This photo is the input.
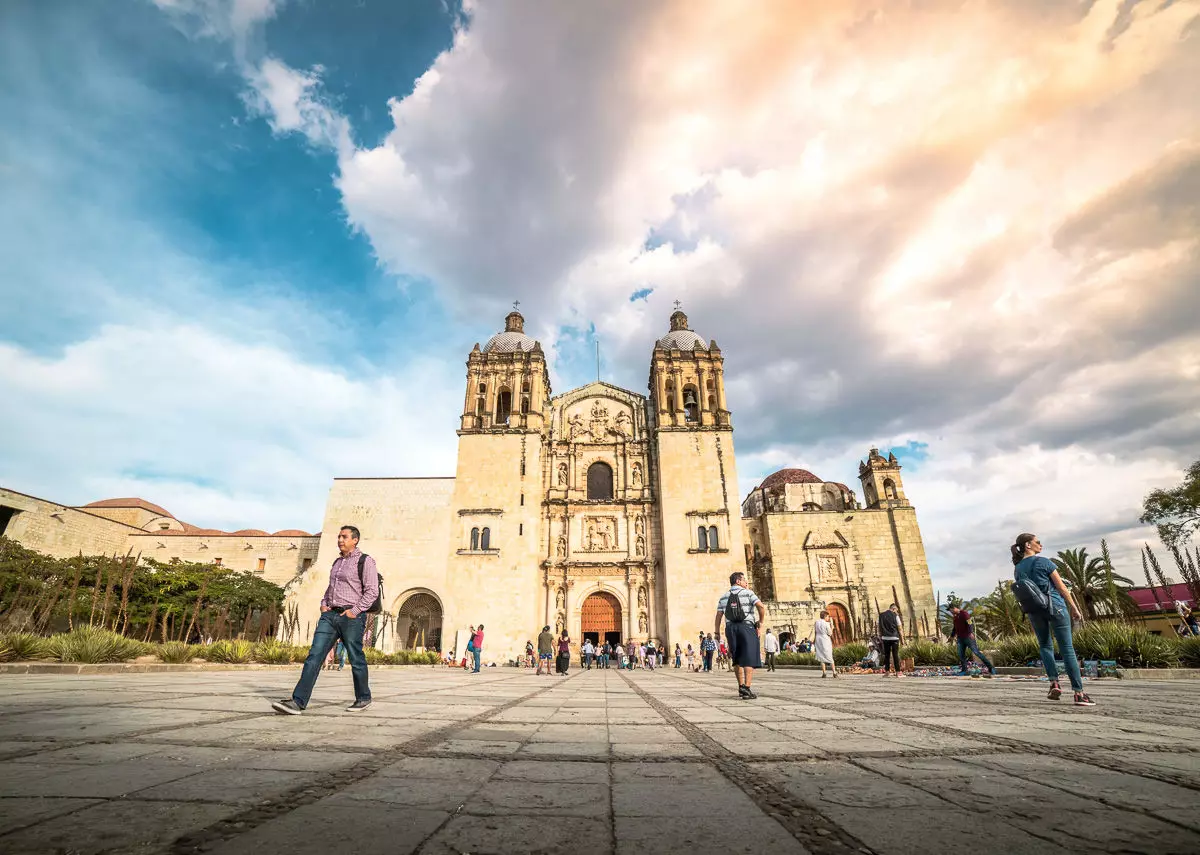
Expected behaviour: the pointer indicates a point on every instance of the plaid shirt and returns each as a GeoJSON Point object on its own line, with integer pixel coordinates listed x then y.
{"type": "Point", "coordinates": [344, 589]}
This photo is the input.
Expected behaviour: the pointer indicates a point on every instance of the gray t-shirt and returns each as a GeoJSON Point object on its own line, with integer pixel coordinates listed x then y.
{"type": "Point", "coordinates": [749, 600]}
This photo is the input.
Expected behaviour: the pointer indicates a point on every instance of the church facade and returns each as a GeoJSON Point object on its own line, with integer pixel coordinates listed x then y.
{"type": "Point", "coordinates": [604, 512]}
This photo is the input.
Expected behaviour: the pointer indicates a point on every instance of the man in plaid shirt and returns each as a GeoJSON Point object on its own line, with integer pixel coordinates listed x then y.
{"type": "Point", "coordinates": [343, 616]}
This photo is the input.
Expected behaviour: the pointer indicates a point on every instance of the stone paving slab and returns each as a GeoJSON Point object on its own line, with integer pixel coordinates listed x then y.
{"type": "Point", "coordinates": [600, 761]}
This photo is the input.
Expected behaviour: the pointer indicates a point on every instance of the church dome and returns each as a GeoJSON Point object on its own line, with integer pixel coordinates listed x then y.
{"type": "Point", "coordinates": [680, 337]}
{"type": "Point", "coordinates": [513, 338]}
{"type": "Point", "coordinates": [790, 476]}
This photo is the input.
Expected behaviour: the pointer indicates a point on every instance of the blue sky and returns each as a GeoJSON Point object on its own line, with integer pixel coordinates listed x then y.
{"type": "Point", "coordinates": [248, 243]}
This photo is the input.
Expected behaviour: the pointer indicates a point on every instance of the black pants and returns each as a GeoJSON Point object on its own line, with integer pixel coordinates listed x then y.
{"type": "Point", "coordinates": [770, 661]}
{"type": "Point", "coordinates": [891, 649]}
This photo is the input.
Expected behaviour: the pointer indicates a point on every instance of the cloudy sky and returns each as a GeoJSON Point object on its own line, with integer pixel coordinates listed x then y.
{"type": "Point", "coordinates": [247, 244]}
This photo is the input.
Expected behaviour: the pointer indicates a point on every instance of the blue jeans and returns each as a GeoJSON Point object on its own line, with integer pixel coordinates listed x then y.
{"type": "Point", "coordinates": [1058, 624]}
{"type": "Point", "coordinates": [475, 653]}
{"type": "Point", "coordinates": [331, 628]}
{"type": "Point", "coordinates": [965, 644]}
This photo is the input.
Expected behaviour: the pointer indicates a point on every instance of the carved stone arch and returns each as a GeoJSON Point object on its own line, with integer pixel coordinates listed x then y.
{"type": "Point", "coordinates": [419, 615]}
{"type": "Point", "coordinates": [585, 590]}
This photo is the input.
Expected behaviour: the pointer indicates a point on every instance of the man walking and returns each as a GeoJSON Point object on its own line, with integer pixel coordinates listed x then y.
{"type": "Point", "coordinates": [708, 647]}
{"type": "Point", "coordinates": [743, 614]}
{"type": "Point", "coordinates": [588, 651]}
{"type": "Point", "coordinates": [770, 647]}
{"type": "Point", "coordinates": [545, 650]}
{"type": "Point", "coordinates": [353, 589]}
{"type": "Point", "coordinates": [477, 646]}
{"type": "Point", "coordinates": [964, 631]}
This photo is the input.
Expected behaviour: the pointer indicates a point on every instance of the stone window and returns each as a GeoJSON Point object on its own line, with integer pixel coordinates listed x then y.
{"type": "Point", "coordinates": [217, 561]}
{"type": "Point", "coordinates": [691, 404]}
{"type": "Point", "coordinates": [6, 515]}
{"type": "Point", "coordinates": [889, 488]}
{"type": "Point", "coordinates": [713, 542]}
{"type": "Point", "coordinates": [262, 564]}
{"type": "Point", "coordinates": [525, 406]}
{"type": "Point", "coordinates": [306, 563]}
{"type": "Point", "coordinates": [702, 539]}
{"type": "Point", "coordinates": [599, 482]}
{"type": "Point", "coordinates": [485, 539]}
{"type": "Point", "coordinates": [503, 406]}
{"type": "Point", "coordinates": [474, 539]}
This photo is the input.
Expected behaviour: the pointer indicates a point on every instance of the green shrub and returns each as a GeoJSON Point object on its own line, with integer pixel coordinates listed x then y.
{"type": "Point", "coordinates": [926, 652]}
{"type": "Point", "coordinates": [299, 652]}
{"type": "Point", "coordinates": [1189, 652]}
{"type": "Point", "coordinates": [428, 657]}
{"type": "Point", "coordinates": [175, 652]}
{"type": "Point", "coordinates": [272, 653]}
{"type": "Point", "coordinates": [796, 659]}
{"type": "Point", "coordinates": [1130, 646]}
{"type": "Point", "coordinates": [1015, 651]}
{"type": "Point", "coordinates": [849, 653]}
{"type": "Point", "coordinates": [88, 644]}
{"type": "Point", "coordinates": [229, 652]}
{"type": "Point", "coordinates": [22, 645]}
{"type": "Point", "coordinates": [375, 656]}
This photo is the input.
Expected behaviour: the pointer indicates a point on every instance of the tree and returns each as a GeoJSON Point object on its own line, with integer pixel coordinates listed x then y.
{"type": "Point", "coordinates": [1000, 613]}
{"type": "Point", "coordinates": [1090, 579]}
{"type": "Point", "coordinates": [1176, 513]}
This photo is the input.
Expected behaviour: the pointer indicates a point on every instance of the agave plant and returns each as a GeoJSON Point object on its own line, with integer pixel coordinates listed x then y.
{"type": "Point", "coordinates": [272, 653]}
{"type": "Point", "coordinates": [175, 652]}
{"type": "Point", "coordinates": [924, 652]}
{"type": "Point", "coordinates": [23, 645]}
{"type": "Point", "coordinates": [1016, 650]}
{"type": "Point", "coordinates": [1189, 652]}
{"type": "Point", "coordinates": [1131, 646]}
{"type": "Point", "coordinates": [89, 644]}
{"type": "Point", "coordinates": [234, 652]}
{"type": "Point", "coordinates": [849, 653]}
{"type": "Point", "coordinates": [796, 659]}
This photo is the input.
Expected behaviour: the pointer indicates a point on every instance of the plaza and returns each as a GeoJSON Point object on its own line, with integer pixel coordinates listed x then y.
{"type": "Point", "coordinates": [600, 761]}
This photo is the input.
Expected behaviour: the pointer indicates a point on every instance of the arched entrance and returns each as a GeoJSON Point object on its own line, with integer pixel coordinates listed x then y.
{"type": "Point", "coordinates": [600, 618]}
{"type": "Point", "coordinates": [419, 623]}
{"type": "Point", "coordinates": [839, 618]}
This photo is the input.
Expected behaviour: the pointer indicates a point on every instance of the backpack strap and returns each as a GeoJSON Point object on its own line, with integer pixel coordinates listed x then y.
{"type": "Point", "coordinates": [362, 562]}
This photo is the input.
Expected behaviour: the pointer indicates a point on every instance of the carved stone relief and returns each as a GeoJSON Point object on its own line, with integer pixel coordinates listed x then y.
{"type": "Point", "coordinates": [829, 570]}
{"type": "Point", "coordinates": [599, 534]}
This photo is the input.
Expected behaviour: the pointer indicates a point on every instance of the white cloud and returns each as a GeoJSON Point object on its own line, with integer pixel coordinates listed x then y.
{"type": "Point", "coordinates": [224, 433]}
{"type": "Point", "coordinates": [290, 101]}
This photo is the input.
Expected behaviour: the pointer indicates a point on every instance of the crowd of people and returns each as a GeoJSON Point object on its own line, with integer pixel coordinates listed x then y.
{"type": "Point", "coordinates": [736, 643]}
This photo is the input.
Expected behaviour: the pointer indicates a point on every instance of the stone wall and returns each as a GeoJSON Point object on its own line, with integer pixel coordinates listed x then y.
{"type": "Point", "coordinates": [60, 531]}
{"type": "Point", "coordinates": [275, 558]}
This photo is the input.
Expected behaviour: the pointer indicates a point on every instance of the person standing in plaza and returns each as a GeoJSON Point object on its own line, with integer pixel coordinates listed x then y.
{"type": "Point", "coordinates": [678, 656]}
{"type": "Point", "coordinates": [770, 647]}
{"type": "Point", "coordinates": [1054, 622]}
{"type": "Point", "coordinates": [588, 651]}
{"type": "Point", "coordinates": [964, 631]}
{"type": "Point", "coordinates": [823, 643]}
{"type": "Point", "coordinates": [743, 614]}
{"type": "Point", "coordinates": [545, 650]}
{"type": "Point", "coordinates": [889, 634]}
{"type": "Point", "coordinates": [477, 647]}
{"type": "Point", "coordinates": [353, 589]}
{"type": "Point", "coordinates": [564, 653]}
{"type": "Point", "coordinates": [709, 648]}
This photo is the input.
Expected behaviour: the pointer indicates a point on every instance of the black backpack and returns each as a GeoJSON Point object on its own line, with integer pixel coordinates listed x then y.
{"type": "Point", "coordinates": [734, 612]}
{"type": "Point", "coordinates": [377, 606]}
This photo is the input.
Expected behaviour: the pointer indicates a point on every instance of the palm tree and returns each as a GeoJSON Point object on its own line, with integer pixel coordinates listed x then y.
{"type": "Point", "coordinates": [1091, 579]}
{"type": "Point", "coordinates": [1001, 613]}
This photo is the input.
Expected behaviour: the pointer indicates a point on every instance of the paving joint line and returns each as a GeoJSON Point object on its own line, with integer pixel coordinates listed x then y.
{"type": "Point", "coordinates": [807, 825]}
{"type": "Point", "coordinates": [330, 783]}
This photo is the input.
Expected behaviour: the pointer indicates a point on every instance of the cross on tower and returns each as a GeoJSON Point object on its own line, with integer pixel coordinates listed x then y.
{"type": "Point", "coordinates": [516, 305]}
{"type": "Point", "coordinates": [678, 305]}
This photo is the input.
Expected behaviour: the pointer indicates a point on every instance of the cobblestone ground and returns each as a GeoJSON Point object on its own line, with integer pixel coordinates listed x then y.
{"type": "Point", "coordinates": [601, 761]}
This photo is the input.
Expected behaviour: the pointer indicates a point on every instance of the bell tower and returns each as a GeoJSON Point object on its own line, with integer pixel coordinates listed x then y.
{"type": "Point", "coordinates": [508, 383]}
{"type": "Point", "coordinates": [699, 513]}
{"type": "Point", "coordinates": [882, 486]}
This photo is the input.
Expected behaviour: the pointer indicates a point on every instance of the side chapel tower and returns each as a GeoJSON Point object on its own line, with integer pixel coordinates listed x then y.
{"type": "Point", "coordinates": [494, 533]}
{"type": "Point", "coordinates": [699, 512]}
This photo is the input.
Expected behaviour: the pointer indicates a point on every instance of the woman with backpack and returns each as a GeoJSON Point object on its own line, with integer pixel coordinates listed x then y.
{"type": "Point", "coordinates": [1050, 608]}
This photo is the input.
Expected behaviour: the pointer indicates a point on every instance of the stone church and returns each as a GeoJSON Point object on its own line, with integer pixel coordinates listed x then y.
{"type": "Point", "coordinates": [611, 514]}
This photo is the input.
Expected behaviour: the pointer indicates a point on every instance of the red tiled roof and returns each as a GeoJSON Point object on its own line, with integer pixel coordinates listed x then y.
{"type": "Point", "coordinates": [250, 531]}
{"type": "Point", "coordinates": [132, 503]}
{"type": "Point", "coordinates": [292, 532]}
{"type": "Point", "coordinates": [1144, 597]}
{"type": "Point", "coordinates": [790, 476]}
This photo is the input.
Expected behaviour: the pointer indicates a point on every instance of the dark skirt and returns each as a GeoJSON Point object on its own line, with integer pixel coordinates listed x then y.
{"type": "Point", "coordinates": [563, 663]}
{"type": "Point", "coordinates": [743, 645]}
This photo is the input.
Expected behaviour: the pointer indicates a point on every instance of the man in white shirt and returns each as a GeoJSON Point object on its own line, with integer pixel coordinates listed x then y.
{"type": "Point", "coordinates": [770, 647]}
{"type": "Point", "coordinates": [588, 652]}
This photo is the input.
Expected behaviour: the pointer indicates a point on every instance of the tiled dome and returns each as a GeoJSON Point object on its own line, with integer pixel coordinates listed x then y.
{"type": "Point", "coordinates": [681, 340]}
{"type": "Point", "coordinates": [790, 476]}
{"type": "Point", "coordinates": [509, 342]}
{"type": "Point", "coordinates": [132, 503]}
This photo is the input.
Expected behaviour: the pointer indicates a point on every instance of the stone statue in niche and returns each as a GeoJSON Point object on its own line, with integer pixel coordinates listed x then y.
{"type": "Point", "coordinates": [561, 548]}
{"type": "Point", "coordinates": [641, 546]}
{"type": "Point", "coordinates": [636, 477]}
{"type": "Point", "coordinates": [639, 525]}
{"type": "Point", "coordinates": [641, 598]}
{"type": "Point", "coordinates": [642, 623]}
{"type": "Point", "coordinates": [560, 600]}
{"type": "Point", "coordinates": [562, 474]}
{"type": "Point", "coordinates": [560, 621]}
{"type": "Point", "coordinates": [624, 424]}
